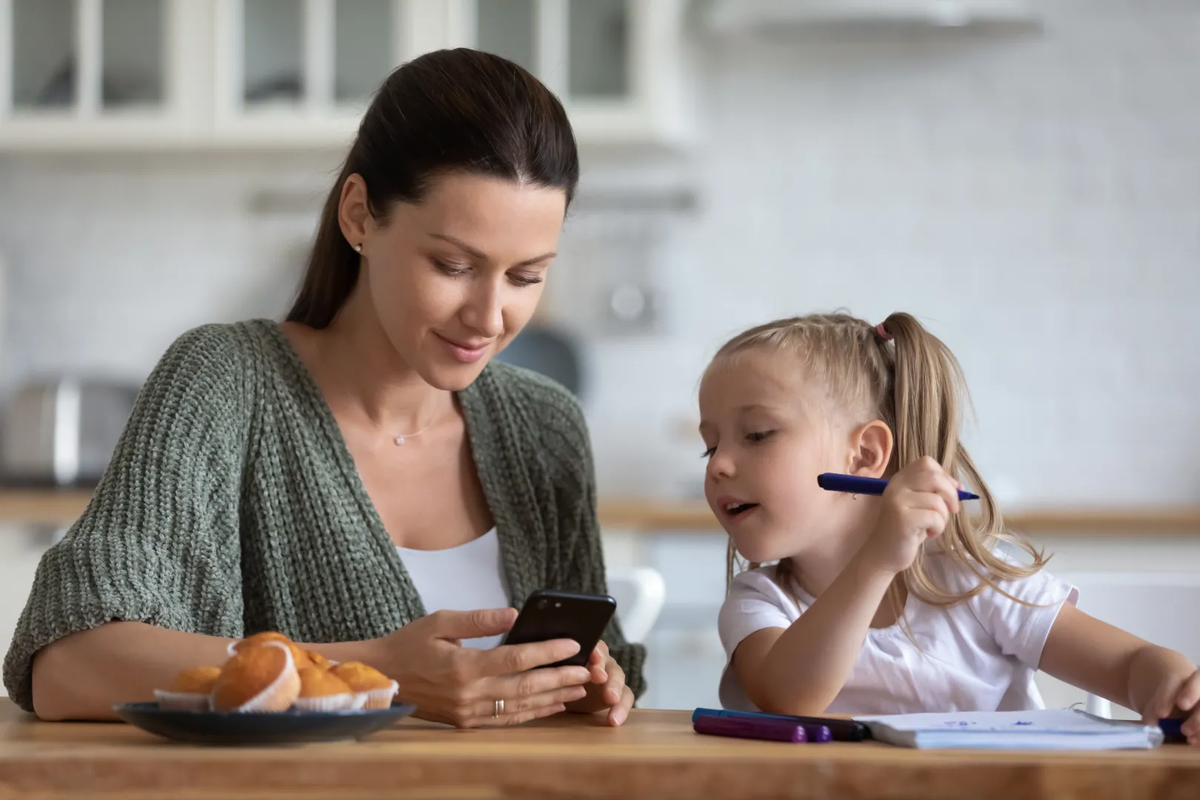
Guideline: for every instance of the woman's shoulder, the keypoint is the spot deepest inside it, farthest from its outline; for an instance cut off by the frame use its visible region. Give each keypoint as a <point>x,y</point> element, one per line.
<point>212,366</point>
<point>218,344</point>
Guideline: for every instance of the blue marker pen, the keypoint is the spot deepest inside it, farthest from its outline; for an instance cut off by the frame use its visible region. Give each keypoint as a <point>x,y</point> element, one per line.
<point>1170,729</point>
<point>853,484</point>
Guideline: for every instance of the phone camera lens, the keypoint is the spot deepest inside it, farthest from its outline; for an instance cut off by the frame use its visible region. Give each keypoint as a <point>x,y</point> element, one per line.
<point>543,604</point>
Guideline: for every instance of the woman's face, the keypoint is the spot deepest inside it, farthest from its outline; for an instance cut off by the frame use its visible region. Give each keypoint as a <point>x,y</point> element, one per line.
<point>455,278</point>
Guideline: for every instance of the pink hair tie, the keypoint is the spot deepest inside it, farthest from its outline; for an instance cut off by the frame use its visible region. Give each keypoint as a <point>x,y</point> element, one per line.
<point>882,331</point>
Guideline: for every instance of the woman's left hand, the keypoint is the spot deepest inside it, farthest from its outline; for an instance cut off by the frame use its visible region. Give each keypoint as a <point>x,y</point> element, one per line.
<point>607,689</point>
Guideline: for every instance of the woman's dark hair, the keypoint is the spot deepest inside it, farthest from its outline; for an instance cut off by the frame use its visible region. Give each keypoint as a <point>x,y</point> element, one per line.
<point>447,111</point>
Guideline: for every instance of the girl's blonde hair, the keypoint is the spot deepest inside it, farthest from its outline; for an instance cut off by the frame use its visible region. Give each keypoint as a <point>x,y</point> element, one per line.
<point>905,376</point>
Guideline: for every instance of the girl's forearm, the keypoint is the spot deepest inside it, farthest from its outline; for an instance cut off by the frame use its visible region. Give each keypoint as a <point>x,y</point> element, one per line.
<point>809,664</point>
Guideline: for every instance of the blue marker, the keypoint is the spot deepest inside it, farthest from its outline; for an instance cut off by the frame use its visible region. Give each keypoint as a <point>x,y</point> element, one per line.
<point>852,484</point>
<point>1171,731</point>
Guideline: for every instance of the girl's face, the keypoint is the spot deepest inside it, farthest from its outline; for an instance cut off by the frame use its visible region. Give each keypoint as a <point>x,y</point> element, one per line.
<point>453,279</point>
<point>768,436</point>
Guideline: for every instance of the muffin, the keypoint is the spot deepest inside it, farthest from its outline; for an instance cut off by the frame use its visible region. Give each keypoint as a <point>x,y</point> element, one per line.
<point>321,690</point>
<point>190,691</point>
<point>319,661</point>
<point>375,689</point>
<point>258,679</point>
<point>299,655</point>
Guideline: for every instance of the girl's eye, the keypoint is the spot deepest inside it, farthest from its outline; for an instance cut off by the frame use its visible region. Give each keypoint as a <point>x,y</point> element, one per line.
<point>525,280</point>
<point>709,452</point>
<point>758,436</point>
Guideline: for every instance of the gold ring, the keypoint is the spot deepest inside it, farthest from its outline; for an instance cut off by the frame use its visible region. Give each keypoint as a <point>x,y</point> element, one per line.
<point>498,709</point>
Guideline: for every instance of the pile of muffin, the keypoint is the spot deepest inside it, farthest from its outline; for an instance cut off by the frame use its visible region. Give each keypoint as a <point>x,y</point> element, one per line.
<point>269,673</point>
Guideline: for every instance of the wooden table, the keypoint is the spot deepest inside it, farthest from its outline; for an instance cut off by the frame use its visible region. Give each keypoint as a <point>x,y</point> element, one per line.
<point>654,755</point>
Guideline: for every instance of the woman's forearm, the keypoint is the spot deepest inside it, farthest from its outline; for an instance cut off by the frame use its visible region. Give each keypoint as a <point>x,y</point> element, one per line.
<point>808,665</point>
<point>85,674</point>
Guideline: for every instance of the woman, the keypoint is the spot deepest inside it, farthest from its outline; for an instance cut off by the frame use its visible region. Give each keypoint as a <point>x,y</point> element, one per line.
<point>359,477</point>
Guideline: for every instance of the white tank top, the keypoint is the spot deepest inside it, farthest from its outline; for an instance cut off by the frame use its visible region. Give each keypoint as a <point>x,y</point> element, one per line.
<point>464,578</point>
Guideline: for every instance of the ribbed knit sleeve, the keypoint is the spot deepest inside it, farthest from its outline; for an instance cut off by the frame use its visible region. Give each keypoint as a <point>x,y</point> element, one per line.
<point>567,447</point>
<point>159,541</point>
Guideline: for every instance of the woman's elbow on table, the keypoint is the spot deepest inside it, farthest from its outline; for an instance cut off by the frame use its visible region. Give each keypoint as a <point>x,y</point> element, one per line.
<point>52,682</point>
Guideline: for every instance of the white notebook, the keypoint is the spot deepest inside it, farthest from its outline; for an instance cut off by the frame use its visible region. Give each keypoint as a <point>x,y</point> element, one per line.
<point>1056,729</point>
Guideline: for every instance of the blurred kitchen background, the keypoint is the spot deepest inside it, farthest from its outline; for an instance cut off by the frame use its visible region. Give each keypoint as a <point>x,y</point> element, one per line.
<point>1024,176</point>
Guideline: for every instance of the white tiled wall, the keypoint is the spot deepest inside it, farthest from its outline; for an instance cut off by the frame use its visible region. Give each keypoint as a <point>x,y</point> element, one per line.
<point>1036,200</point>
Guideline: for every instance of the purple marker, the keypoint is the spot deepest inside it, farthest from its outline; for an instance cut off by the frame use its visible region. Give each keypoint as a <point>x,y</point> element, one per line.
<point>768,729</point>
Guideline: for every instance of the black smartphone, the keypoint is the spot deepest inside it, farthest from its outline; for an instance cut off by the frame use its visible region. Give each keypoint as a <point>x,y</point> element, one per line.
<point>550,615</point>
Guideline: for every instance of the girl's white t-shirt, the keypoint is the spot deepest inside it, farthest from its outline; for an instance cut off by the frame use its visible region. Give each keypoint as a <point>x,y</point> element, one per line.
<point>979,655</point>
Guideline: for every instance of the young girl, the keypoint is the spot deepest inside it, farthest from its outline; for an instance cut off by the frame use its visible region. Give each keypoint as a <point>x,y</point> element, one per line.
<point>901,603</point>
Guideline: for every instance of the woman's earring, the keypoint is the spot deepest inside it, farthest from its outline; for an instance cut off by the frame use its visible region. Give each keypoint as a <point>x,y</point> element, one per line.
<point>853,497</point>
<point>358,248</point>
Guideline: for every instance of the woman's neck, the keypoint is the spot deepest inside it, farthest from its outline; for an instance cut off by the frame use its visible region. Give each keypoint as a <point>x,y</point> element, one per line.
<point>367,378</point>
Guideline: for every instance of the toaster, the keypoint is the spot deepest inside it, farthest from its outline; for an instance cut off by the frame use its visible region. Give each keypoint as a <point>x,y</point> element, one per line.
<point>62,432</point>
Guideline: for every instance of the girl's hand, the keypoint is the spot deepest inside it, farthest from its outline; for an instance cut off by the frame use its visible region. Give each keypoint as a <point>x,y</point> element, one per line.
<point>1178,697</point>
<point>917,505</point>
<point>465,687</point>
<point>607,689</point>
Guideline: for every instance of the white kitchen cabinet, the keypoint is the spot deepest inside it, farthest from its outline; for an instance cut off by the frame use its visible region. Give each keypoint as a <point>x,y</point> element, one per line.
<point>137,74</point>
<point>98,73</point>
<point>619,66</point>
<point>302,72</point>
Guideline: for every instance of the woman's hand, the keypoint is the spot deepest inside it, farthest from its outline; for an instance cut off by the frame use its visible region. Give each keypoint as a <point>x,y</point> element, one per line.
<point>470,688</point>
<point>917,506</point>
<point>607,689</point>
<point>1178,696</point>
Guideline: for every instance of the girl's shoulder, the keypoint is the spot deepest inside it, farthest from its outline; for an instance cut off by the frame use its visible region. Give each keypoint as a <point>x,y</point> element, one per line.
<point>767,585</point>
<point>978,586</point>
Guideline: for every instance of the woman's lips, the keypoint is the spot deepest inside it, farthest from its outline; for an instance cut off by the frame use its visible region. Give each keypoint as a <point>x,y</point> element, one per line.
<point>467,353</point>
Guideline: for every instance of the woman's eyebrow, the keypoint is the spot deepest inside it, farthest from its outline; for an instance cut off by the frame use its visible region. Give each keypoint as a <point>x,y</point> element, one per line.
<point>477,253</point>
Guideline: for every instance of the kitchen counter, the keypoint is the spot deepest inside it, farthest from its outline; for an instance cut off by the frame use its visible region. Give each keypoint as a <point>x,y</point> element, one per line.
<point>655,754</point>
<point>49,507</point>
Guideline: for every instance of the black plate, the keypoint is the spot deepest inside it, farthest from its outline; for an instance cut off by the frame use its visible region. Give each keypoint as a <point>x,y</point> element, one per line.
<point>287,727</point>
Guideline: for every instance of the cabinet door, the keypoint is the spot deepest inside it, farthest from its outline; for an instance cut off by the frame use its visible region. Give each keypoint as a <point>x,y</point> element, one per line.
<point>272,54</point>
<point>617,65</point>
<point>364,48</point>
<point>86,57</point>
<point>316,55</point>
<point>599,50</point>
<point>303,71</point>
<point>508,28</point>
<point>45,54</point>
<point>86,74</point>
<point>133,58</point>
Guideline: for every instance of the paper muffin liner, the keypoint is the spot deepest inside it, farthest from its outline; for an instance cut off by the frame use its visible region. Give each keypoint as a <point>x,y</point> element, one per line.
<point>182,701</point>
<point>333,702</point>
<point>379,698</point>
<point>280,694</point>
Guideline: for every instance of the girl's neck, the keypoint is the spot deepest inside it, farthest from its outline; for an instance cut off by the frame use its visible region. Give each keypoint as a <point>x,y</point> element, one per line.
<point>818,566</point>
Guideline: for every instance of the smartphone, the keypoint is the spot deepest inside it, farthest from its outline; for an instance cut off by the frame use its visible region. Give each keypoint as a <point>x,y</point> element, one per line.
<point>550,615</point>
